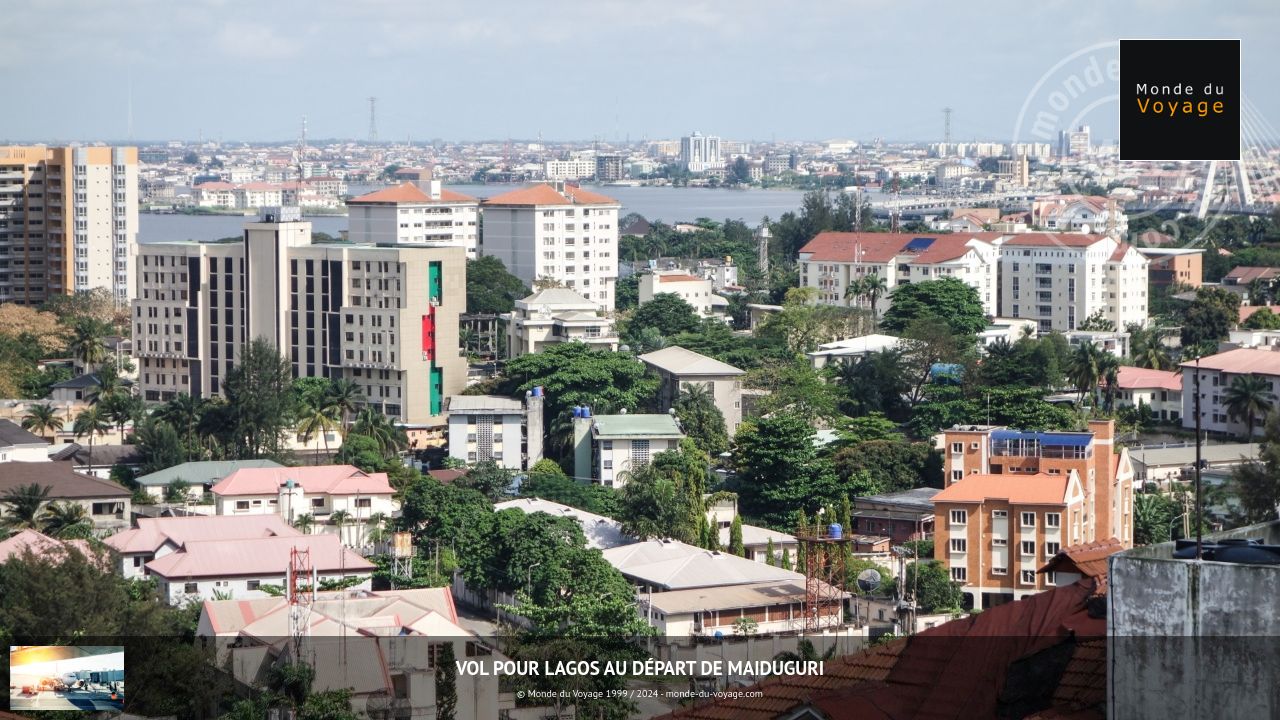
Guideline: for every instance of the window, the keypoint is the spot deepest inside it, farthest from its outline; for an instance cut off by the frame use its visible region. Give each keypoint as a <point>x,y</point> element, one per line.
<point>1051,549</point>
<point>1053,520</point>
<point>959,517</point>
<point>959,545</point>
<point>957,447</point>
<point>1028,577</point>
<point>959,574</point>
<point>957,475</point>
<point>137,561</point>
<point>999,514</point>
<point>608,464</point>
<point>191,588</point>
<point>1028,547</point>
<point>999,571</point>
<point>1028,519</point>
<point>242,505</point>
<point>999,542</point>
<point>317,502</point>
<point>364,502</point>
<point>606,444</point>
<point>254,584</point>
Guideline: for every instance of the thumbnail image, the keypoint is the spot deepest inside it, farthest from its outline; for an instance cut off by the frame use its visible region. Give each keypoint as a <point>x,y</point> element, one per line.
<point>66,677</point>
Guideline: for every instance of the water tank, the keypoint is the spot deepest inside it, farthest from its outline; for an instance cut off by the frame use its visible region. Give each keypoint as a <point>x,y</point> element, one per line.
<point>835,531</point>
<point>577,411</point>
<point>586,411</point>
<point>537,391</point>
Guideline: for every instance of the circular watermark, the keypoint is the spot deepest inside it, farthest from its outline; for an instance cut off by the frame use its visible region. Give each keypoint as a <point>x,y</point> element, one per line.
<point>1054,124</point>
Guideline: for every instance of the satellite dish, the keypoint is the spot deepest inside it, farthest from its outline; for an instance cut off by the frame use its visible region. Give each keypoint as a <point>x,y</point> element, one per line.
<point>869,579</point>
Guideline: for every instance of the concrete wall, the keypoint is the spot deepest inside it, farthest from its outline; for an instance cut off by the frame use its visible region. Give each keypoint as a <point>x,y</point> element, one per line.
<point>1193,639</point>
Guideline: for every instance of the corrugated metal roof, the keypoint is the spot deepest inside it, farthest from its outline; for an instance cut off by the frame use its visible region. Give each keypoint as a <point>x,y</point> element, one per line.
<point>639,425</point>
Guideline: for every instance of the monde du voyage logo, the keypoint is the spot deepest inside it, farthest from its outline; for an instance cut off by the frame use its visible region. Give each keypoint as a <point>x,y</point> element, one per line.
<point>1180,99</point>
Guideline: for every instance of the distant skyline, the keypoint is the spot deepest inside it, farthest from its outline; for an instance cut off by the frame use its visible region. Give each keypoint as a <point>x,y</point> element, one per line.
<point>574,70</point>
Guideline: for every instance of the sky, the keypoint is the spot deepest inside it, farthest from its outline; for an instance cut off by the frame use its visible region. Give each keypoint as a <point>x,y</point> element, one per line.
<point>85,70</point>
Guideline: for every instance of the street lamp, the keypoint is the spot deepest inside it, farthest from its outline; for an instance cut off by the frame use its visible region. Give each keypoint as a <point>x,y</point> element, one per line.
<point>528,578</point>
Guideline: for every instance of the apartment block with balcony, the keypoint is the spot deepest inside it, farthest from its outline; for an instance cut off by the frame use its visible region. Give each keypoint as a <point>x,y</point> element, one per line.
<point>68,221</point>
<point>1216,373</point>
<point>409,215</point>
<point>1106,475</point>
<point>556,315</point>
<point>833,261</point>
<point>385,318</point>
<point>994,531</point>
<point>556,232</point>
<point>1060,280</point>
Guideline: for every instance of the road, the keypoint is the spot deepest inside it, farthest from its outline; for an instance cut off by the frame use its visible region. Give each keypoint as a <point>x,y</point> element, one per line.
<point>71,700</point>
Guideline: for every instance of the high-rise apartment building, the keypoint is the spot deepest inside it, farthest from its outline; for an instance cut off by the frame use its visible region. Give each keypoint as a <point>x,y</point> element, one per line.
<point>1075,143</point>
<point>700,152</point>
<point>412,215</point>
<point>385,318</point>
<point>556,232</point>
<point>1021,496</point>
<point>68,221</point>
<point>1060,280</point>
<point>609,168</point>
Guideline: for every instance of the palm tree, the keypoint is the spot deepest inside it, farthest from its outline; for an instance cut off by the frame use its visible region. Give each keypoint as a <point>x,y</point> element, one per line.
<point>24,503</point>
<point>304,523</point>
<point>87,346</point>
<point>370,421</point>
<point>1248,396</point>
<point>805,651</point>
<point>317,420</point>
<point>183,412</point>
<point>340,518</point>
<point>873,286</point>
<point>1087,368</point>
<point>42,419</point>
<point>108,383</point>
<point>121,408</point>
<point>1148,348</point>
<point>855,289</point>
<point>376,528</point>
<point>91,421</point>
<point>345,397</point>
<point>1111,376</point>
<point>66,520</point>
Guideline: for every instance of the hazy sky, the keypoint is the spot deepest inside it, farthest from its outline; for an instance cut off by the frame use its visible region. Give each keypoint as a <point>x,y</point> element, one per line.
<point>569,69</point>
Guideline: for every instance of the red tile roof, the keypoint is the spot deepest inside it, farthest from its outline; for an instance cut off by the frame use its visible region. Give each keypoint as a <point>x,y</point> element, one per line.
<point>544,194</point>
<point>1121,250</point>
<point>1243,275</point>
<point>1037,489</point>
<point>678,278</point>
<point>883,247</point>
<point>1241,361</point>
<point>325,479</point>
<point>1136,378</point>
<point>409,193</point>
<point>1087,559</point>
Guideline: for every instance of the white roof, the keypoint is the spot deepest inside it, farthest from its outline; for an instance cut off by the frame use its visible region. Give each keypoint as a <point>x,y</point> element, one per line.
<point>680,361</point>
<point>752,536</point>
<point>683,602</point>
<point>601,532</point>
<point>483,403</point>
<point>857,346</point>
<point>676,566</point>
<point>559,297</point>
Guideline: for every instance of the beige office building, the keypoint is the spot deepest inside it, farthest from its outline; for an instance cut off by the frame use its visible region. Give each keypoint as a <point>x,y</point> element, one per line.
<point>68,221</point>
<point>383,317</point>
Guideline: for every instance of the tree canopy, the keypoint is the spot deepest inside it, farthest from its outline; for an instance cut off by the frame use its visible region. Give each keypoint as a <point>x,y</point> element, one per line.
<point>950,299</point>
<point>780,470</point>
<point>491,289</point>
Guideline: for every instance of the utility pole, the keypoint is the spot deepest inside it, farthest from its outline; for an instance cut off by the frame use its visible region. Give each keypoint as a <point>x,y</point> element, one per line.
<point>1199,499</point>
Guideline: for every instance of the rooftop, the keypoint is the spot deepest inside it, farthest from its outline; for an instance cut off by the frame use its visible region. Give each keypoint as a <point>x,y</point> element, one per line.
<point>545,194</point>
<point>152,533</point>
<point>39,544</point>
<point>12,435</point>
<point>680,361</point>
<point>408,193</point>
<point>563,298</point>
<point>1212,454</point>
<point>730,597</point>
<point>202,472</point>
<point>676,566</point>
<point>103,455</point>
<point>64,483</point>
<point>1020,489</point>
<point>752,535</point>
<point>1053,240</point>
<point>660,425</point>
<point>1240,361</point>
<point>315,479</point>
<point>1136,378</point>
<point>483,403</point>
<point>262,556</point>
<point>601,532</point>
<point>916,498</point>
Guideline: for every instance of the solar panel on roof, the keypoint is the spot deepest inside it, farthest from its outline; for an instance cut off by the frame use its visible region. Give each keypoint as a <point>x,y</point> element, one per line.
<point>919,244</point>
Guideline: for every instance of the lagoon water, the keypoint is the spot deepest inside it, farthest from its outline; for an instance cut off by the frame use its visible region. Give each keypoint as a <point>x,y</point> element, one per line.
<point>669,204</point>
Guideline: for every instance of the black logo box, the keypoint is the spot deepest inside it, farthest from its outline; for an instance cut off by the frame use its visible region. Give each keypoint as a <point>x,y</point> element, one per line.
<point>1187,69</point>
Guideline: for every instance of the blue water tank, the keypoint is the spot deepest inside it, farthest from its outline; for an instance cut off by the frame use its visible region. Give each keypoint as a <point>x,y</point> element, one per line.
<point>835,531</point>
<point>537,391</point>
<point>577,411</point>
<point>586,411</point>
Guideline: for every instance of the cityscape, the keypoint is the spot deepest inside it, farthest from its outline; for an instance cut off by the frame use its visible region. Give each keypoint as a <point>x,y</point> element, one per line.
<point>536,400</point>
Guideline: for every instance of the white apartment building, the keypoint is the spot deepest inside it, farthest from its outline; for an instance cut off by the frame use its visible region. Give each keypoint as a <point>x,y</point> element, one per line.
<point>407,215</point>
<point>383,317</point>
<point>1160,391</point>
<point>832,261</point>
<point>1216,374</point>
<point>501,429</point>
<point>578,168</point>
<point>1059,280</point>
<point>1079,214</point>
<point>556,232</point>
<point>68,221</point>
<point>699,153</point>
<point>556,315</point>
<point>696,291</point>
<point>607,447</point>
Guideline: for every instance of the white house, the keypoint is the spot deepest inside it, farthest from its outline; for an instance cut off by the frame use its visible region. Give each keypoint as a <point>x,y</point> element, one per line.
<point>156,537</point>
<point>408,215</point>
<point>606,447</point>
<point>20,445</point>
<point>556,315</point>
<point>319,491</point>
<point>1216,373</point>
<point>107,504</point>
<point>488,427</point>
<point>850,350</point>
<point>1159,390</point>
<point>697,291</point>
<point>199,475</point>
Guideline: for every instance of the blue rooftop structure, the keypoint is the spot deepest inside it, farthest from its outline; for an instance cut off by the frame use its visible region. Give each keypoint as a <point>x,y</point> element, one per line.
<point>919,244</point>
<point>1021,443</point>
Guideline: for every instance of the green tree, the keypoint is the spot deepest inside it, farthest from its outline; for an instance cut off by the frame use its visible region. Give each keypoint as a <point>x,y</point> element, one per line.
<point>390,437</point>
<point>1098,322</point>
<point>547,481</point>
<point>182,412</point>
<point>875,383</point>
<point>932,587</point>
<point>626,293</point>
<point>177,490</point>
<point>1209,319</point>
<point>700,419</point>
<point>927,342</point>
<point>735,537</point>
<point>91,422</point>
<point>889,466</point>
<point>667,313</point>
<point>488,478</point>
<point>1153,517</point>
<point>446,684</point>
<point>802,324</point>
<point>779,470</point>
<point>663,499</point>
<point>1257,484</point>
<point>304,523</point>
<point>1248,397</point>
<point>87,345</point>
<point>949,299</point>
<point>259,395</point>
<point>795,386</point>
<point>44,420</point>
<point>806,652</point>
<point>331,705</point>
<point>159,445</point>
<point>491,289</point>
<point>361,451</point>
<point>1262,319</point>
<point>1148,347</point>
<point>66,520</point>
<point>345,398</point>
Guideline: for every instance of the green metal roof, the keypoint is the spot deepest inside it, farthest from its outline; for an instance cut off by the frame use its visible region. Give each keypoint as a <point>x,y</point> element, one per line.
<point>200,473</point>
<point>640,426</point>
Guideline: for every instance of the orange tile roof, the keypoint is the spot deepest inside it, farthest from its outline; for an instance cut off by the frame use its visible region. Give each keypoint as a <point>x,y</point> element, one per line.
<point>544,194</point>
<point>1088,559</point>
<point>1241,361</point>
<point>1037,489</point>
<point>678,278</point>
<point>1065,239</point>
<point>1121,250</point>
<point>409,193</point>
